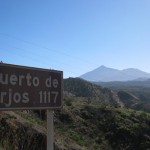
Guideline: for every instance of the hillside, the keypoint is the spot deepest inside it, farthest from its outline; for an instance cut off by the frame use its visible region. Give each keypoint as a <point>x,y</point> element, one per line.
<point>138,90</point>
<point>79,126</point>
<point>95,126</point>
<point>82,88</point>
<point>89,120</point>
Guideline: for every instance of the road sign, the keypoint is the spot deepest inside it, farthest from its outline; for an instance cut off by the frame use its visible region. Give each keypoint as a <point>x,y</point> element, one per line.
<point>30,88</point>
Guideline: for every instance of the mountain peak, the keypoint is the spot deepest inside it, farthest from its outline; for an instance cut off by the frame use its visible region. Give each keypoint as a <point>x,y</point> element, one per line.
<point>102,66</point>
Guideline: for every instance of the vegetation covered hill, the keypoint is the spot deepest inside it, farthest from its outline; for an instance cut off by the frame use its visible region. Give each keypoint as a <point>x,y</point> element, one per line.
<point>97,126</point>
<point>138,90</point>
<point>81,88</point>
<point>80,125</point>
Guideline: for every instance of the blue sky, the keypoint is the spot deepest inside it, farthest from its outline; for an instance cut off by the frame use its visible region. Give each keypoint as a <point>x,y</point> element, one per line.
<point>75,36</point>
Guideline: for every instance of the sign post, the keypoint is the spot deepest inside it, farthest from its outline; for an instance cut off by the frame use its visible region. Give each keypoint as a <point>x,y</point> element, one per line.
<point>50,130</point>
<point>31,88</point>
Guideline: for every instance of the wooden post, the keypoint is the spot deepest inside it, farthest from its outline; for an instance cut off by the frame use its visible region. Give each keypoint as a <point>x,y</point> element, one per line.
<point>50,130</point>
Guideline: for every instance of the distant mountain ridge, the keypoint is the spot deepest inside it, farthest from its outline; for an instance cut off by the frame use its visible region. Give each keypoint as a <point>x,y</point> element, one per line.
<point>106,74</point>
